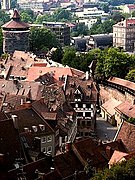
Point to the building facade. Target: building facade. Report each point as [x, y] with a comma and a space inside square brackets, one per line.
[61, 30]
[124, 35]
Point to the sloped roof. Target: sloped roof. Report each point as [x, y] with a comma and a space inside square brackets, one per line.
[110, 105]
[127, 135]
[127, 108]
[122, 82]
[116, 157]
[15, 23]
[9, 143]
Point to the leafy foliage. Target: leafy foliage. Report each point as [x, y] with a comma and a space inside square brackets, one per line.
[42, 38]
[4, 17]
[131, 75]
[60, 15]
[102, 28]
[110, 62]
[122, 171]
[131, 120]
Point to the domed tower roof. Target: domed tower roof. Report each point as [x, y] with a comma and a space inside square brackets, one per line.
[15, 23]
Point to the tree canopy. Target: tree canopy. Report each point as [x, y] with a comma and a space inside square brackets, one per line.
[42, 39]
[4, 17]
[122, 171]
[131, 75]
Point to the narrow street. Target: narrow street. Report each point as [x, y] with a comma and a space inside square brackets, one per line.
[105, 131]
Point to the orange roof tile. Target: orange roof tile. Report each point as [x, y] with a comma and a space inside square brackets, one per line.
[36, 72]
[122, 82]
[116, 157]
[110, 105]
[126, 108]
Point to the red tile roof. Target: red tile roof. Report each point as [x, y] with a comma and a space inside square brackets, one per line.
[127, 135]
[110, 105]
[122, 82]
[116, 157]
[15, 23]
[127, 109]
[56, 72]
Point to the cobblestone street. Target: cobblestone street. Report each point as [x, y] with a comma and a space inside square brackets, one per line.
[105, 131]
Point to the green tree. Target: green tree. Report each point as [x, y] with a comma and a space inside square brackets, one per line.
[121, 171]
[131, 120]
[69, 57]
[45, 17]
[26, 17]
[57, 55]
[41, 38]
[81, 29]
[62, 15]
[28, 14]
[113, 62]
[131, 75]
[4, 17]
[102, 28]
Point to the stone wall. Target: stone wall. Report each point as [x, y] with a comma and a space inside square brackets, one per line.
[15, 41]
[107, 92]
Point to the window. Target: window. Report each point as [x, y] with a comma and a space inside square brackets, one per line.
[88, 123]
[80, 114]
[49, 149]
[49, 138]
[44, 149]
[43, 139]
[83, 123]
[87, 114]
[86, 134]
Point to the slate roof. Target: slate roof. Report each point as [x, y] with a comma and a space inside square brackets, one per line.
[102, 39]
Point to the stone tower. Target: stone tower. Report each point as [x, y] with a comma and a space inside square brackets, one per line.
[15, 34]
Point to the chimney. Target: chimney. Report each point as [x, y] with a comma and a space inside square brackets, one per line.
[21, 102]
[26, 129]
[87, 75]
[1, 159]
[15, 120]
[109, 151]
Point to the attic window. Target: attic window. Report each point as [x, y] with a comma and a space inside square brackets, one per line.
[77, 92]
[42, 127]
[34, 128]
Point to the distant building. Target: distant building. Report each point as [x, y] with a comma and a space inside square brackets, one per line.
[128, 8]
[16, 34]
[123, 35]
[36, 6]
[100, 41]
[6, 4]
[61, 30]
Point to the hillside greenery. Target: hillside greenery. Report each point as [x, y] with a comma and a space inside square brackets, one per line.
[122, 171]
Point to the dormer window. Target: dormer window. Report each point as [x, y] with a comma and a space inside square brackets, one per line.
[34, 128]
[42, 127]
